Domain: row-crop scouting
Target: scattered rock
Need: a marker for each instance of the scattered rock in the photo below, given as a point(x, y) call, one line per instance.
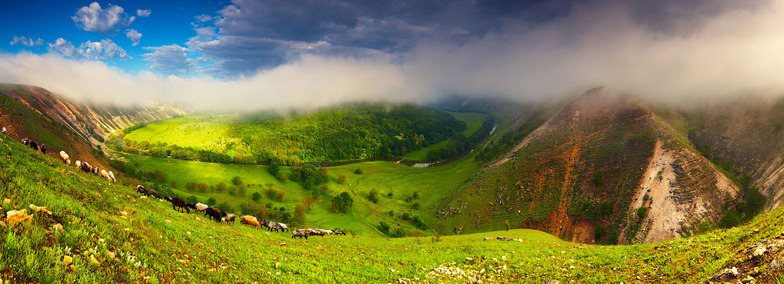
point(94, 261)
point(40, 209)
point(551, 281)
point(57, 227)
point(67, 260)
point(14, 217)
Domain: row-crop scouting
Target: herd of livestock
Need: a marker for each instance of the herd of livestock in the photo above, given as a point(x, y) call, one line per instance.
point(180, 205)
point(220, 216)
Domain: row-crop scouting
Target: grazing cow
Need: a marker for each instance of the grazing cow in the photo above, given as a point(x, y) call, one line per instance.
point(78, 164)
point(283, 227)
point(191, 206)
point(96, 170)
point(272, 225)
point(5, 130)
point(249, 220)
point(178, 204)
point(299, 234)
point(215, 214)
point(155, 194)
point(230, 218)
point(111, 175)
point(25, 141)
point(105, 175)
point(42, 147)
point(140, 189)
point(264, 223)
point(86, 167)
point(65, 158)
point(201, 207)
point(33, 145)
point(339, 232)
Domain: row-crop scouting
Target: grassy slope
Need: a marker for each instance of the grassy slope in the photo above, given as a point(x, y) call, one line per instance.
point(473, 123)
point(431, 183)
point(156, 243)
point(190, 131)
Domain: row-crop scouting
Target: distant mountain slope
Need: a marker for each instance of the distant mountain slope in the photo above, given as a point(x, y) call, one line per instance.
point(90, 122)
point(746, 137)
point(585, 172)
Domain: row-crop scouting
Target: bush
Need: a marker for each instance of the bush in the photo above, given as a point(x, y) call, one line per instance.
point(373, 195)
point(192, 199)
point(415, 206)
point(256, 196)
point(201, 187)
point(342, 203)
point(211, 201)
point(225, 207)
point(419, 223)
point(730, 219)
point(598, 232)
point(383, 227)
point(236, 180)
point(253, 210)
point(358, 171)
point(642, 212)
point(399, 233)
point(274, 169)
point(342, 179)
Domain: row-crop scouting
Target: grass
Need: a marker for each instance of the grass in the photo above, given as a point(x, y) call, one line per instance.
point(153, 243)
point(198, 131)
point(432, 184)
point(473, 123)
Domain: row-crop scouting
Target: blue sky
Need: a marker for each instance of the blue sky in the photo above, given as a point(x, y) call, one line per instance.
point(251, 54)
point(227, 39)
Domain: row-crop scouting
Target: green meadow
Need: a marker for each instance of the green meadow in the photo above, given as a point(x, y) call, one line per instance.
point(430, 184)
point(112, 235)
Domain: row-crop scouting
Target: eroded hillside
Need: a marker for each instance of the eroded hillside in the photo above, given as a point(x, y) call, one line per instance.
point(585, 174)
point(90, 122)
point(745, 136)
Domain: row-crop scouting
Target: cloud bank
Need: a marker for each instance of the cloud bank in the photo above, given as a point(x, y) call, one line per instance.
point(721, 49)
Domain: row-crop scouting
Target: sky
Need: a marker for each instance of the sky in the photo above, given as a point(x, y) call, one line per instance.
point(249, 55)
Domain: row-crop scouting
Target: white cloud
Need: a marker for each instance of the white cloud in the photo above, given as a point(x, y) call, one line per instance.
point(143, 13)
point(102, 50)
point(169, 59)
point(23, 40)
point(203, 18)
point(134, 36)
point(93, 18)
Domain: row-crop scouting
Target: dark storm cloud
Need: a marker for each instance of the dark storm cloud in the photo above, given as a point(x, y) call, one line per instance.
point(253, 35)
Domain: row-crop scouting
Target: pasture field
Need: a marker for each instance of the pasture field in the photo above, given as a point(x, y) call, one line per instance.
point(473, 122)
point(200, 132)
point(112, 235)
point(430, 184)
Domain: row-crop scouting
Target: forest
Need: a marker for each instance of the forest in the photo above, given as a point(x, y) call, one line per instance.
point(349, 132)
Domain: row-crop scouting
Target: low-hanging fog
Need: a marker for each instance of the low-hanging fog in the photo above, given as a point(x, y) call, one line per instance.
point(721, 48)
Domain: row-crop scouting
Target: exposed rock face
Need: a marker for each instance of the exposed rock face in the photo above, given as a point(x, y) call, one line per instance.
point(91, 122)
point(680, 189)
point(583, 174)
